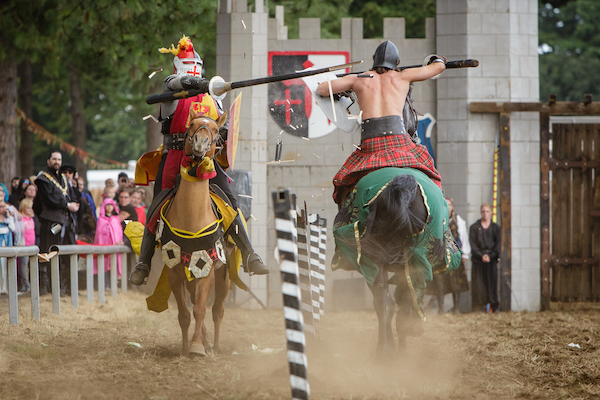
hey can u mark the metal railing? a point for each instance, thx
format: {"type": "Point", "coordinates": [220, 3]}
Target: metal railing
{"type": "Point", "coordinates": [11, 254]}
{"type": "Point", "coordinates": [73, 251]}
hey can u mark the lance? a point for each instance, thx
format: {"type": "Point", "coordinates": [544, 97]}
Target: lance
{"type": "Point", "coordinates": [449, 65]}
{"type": "Point", "coordinates": [217, 87]}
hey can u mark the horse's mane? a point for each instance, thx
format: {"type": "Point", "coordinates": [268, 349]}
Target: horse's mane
{"type": "Point", "coordinates": [400, 215]}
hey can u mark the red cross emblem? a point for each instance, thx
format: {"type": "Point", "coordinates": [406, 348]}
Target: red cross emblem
{"type": "Point", "coordinates": [195, 72]}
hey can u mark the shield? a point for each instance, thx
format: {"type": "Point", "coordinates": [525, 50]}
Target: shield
{"type": "Point", "coordinates": [234, 130]}
{"type": "Point", "coordinates": [292, 104]}
{"type": "Point", "coordinates": [343, 112]}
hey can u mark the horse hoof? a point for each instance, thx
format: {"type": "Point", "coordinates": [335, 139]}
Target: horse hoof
{"type": "Point", "coordinates": [197, 349]}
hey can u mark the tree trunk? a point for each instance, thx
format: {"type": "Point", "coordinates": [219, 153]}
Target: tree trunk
{"type": "Point", "coordinates": [25, 101]}
{"type": "Point", "coordinates": [78, 130]}
{"type": "Point", "coordinates": [8, 119]}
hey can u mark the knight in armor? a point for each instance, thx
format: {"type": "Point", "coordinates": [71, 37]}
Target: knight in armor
{"type": "Point", "coordinates": [174, 117]}
{"type": "Point", "coordinates": [382, 96]}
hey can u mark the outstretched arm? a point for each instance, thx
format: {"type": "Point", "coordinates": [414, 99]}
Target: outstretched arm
{"type": "Point", "coordinates": [423, 73]}
{"type": "Point", "coordinates": [337, 85]}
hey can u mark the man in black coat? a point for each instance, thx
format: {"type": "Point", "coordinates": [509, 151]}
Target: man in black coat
{"type": "Point", "coordinates": [55, 204]}
{"type": "Point", "coordinates": [485, 237]}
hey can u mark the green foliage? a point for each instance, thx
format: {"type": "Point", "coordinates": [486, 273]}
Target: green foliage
{"type": "Point", "coordinates": [413, 11]}
{"type": "Point", "coordinates": [112, 44]}
{"type": "Point", "coordinates": [569, 38]}
{"type": "Point", "coordinates": [372, 12]}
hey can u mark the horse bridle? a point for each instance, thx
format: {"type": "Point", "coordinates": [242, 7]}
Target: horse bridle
{"type": "Point", "coordinates": [205, 126]}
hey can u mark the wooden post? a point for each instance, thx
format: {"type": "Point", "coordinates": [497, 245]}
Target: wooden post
{"type": "Point", "coordinates": [545, 208]}
{"type": "Point", "coordinates": [505, 214]}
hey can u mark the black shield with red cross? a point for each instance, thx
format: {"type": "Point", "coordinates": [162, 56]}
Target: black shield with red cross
{"type": "Point", "coordinates": [291, 103]}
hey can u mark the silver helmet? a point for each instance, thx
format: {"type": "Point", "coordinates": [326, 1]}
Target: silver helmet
{"type": "Point", "coordinates": [386, 56]}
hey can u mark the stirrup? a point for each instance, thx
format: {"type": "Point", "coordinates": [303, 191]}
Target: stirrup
{"type": "Point", "coordinates": [255, 266]}
{"type": "Point", "coordinates": [139, 274]}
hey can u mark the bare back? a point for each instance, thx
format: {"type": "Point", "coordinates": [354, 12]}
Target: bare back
{"type": "Point", "coordinates": [382, 94]}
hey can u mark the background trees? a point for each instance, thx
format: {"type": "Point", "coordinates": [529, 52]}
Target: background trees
{"type": "Point", "coordinates": [79, 68]}
{"type": "Point", "coordinates": [569, 35]}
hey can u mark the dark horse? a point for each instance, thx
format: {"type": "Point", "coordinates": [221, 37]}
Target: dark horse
{"type": "Point", "coordinates": [395, 220]}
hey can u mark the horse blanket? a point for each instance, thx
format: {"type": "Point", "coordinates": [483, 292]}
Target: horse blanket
{"type": "Point", "coordinates": [432, 251]}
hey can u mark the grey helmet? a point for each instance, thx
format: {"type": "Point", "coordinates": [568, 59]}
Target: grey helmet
{"type": "Point", "coordinates": [386, 56]}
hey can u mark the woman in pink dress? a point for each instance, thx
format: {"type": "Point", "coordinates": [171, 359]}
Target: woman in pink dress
{"type": "Point", "coordinates": [108, 232]}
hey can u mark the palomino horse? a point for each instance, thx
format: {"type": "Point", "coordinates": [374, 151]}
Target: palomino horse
{"type": "Point", "coordinates": [192, 215]}
{"type": "Point", "coordinates": [395, 220]}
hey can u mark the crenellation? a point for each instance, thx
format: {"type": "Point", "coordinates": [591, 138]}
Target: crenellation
{"type": "Point", "coordinates": [309, 28]}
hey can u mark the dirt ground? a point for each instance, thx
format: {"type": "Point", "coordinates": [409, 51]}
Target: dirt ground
{"type": "Point", "coordinates": [90, 353]}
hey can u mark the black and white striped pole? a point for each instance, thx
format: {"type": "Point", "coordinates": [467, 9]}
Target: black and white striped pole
{"type": "Point", "coordinates": [315, 269]}
{"type": "Point", "coordinates": [323, 260]}
{"type": "Point", "coordinates": [287, 250]}
{"type": "Point", "coordinates": [304, 270]}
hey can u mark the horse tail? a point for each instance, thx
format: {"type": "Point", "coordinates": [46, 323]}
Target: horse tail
{"type": "Point", "coordinates": [400, 215]}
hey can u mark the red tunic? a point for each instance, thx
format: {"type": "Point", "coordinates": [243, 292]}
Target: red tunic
{"type": "Point", "coordinates": [203, 104]}
{"type": "Point", "coordinates": [379, 152]}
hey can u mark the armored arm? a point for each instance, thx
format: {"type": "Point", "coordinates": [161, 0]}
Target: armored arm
{"type": "Point", "coordinates": [186, 82]}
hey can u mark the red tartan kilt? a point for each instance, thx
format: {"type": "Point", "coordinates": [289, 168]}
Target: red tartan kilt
{"type": "Point", "coordinates": [380, 152]}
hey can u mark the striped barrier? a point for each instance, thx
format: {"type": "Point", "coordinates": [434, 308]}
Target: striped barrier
{"type": "Point", "coordinates": [287, 249]}
{"type": "Point", "coordinates": [304, 273]}
{"type": "Point", "coordinates": [316, 278]}
{"type": "Point", "coordinates": [322, 261]}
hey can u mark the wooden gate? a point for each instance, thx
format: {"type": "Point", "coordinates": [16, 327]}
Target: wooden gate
{"type": "Point", "coordinates": [573, 258]}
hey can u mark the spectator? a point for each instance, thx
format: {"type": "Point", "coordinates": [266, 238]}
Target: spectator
{"type": "Point", "coordinates": [123, 181]}
{"type": "Point", "coordinates": [55, 204]}
{"type": "Point", "coordinates": [29, 234]}
{"type": "Point", "coordinates": [109, 191]}
{"type": "Point", "coordinates": [108, 232]}
{"type": "Point", "coordinates": [458, 278]}
{"type": "Point", "coordinates": [14, 185]}
{"type": "Point", "coordinates": [136, 201]}
{"type": "Point", "coordinates": [30, 192]}
{"type": "Point", "coordinates": [85, 193]}
{"type": "Point", "coordinates": [7, 227]}
{"type": "Point", "coordinates": [86, 216]}
{"type": "Point", "coordinates": [127, 211]}
{"type": "Point", "coordinates": [17, 194]}
{"type": "Point", "coordinates": [485, 238]}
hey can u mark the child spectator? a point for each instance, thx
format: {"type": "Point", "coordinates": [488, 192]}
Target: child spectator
{"type": "Point", "coordinates": [26, 209]}
{"type": "Point", "coordinates": [108, 232]}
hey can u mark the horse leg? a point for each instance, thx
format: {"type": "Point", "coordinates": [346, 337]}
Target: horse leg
{"type": "Point", "coordinates": [218, 310]}
{"type": "Point", "coordinates": [178, 289]}
{"type": "Point", "coordinates": [202, 289]}
{"type": "Point", "coordinates": [408, 322]}
{"type": "Point", "coordinates": [381, 304]}
{"type": "Point", "coordinates": [192, 288]}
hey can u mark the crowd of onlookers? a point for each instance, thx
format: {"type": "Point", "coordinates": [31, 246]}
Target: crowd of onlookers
{"type": "Point", "coordinates": [55, 207]}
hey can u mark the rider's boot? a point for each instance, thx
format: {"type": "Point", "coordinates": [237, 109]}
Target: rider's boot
{"type": "Point", "coordinates": [251, 261]}
{"type": "Point", "coordinates": [139, 273]}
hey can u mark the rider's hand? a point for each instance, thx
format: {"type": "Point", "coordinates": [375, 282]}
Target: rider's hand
{"type": "Point", "coordinates": [435, 58]}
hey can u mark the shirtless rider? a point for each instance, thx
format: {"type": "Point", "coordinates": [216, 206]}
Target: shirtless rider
{"type": "Point", "coordinates": [381, 97]}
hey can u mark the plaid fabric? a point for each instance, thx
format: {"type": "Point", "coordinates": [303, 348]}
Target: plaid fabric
{"type": "Point", "coordinates": [387, 151]}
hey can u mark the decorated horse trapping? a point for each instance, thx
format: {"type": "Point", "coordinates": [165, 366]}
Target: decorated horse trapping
{"type": "Point", "coordinates": [432, 250]}
{"type": "Point", "coordinates": [395, 220]}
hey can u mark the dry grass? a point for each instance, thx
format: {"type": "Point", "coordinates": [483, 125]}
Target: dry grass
{"type": "Point", "coordinates": [84, 354]}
